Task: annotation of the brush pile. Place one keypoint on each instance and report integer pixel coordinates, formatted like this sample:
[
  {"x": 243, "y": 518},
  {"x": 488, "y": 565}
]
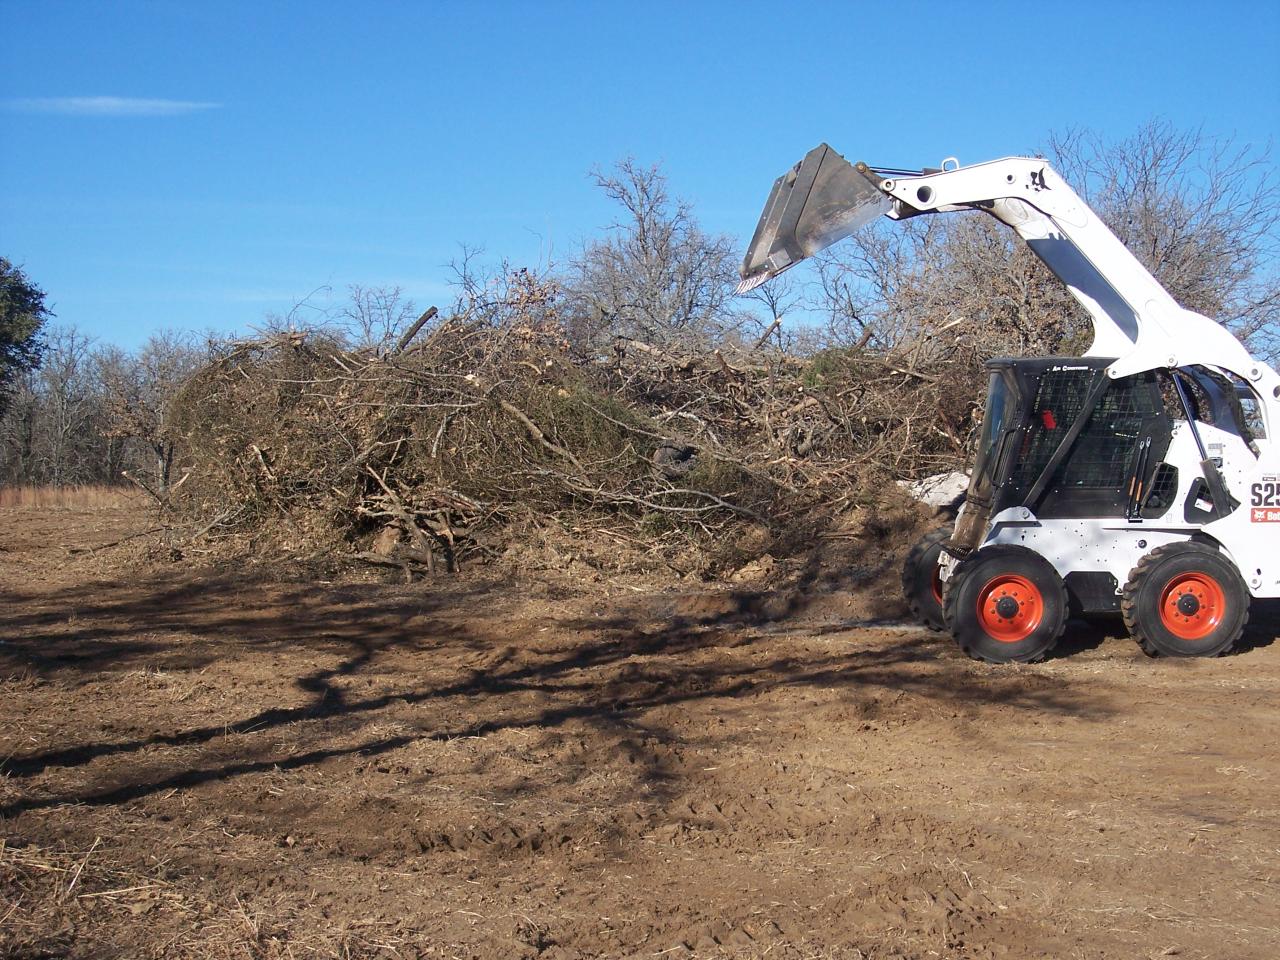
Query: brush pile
[{"x": 471, "y": 439}]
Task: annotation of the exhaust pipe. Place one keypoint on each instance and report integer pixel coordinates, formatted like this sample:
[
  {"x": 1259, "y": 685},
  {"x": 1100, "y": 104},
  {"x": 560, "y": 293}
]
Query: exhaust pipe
[{"x": 821, "y": 200}]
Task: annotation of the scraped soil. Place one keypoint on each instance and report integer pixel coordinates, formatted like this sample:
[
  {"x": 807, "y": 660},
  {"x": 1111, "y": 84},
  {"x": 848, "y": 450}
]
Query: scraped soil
[{"x": 206, "y": 763}]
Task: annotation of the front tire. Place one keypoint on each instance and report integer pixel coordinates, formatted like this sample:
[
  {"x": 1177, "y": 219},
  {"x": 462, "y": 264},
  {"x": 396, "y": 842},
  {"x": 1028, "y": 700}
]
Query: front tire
[
  {"x": 1006, "y": 604},
  {"x": 1185, "y": 600},
  {"x": 922, "y": 579}
]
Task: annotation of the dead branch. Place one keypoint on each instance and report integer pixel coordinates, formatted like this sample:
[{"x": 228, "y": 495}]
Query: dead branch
[
  {"x": 413, "y": 330},
  {"x": 538, "y": 435}
]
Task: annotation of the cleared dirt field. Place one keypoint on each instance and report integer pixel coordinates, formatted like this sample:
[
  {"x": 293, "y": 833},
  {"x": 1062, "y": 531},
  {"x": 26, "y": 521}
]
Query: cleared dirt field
[{"x": 214, "y": 765}]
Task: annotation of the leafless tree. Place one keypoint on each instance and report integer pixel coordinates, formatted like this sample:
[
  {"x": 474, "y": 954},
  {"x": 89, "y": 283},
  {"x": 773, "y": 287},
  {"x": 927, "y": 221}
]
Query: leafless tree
[
  {"x": 90, "y": 412},
  {"x": 137, "y": 390},
  {"x": 311, "y": 312},
  {"x": 504, "y": 297},
  {"x": 18, "y": 429},
  {"x": 1201, "y": 214},
  {"x": 375, "y": 316},
  {"x": 50, "y": 430},
  {"x": 777, "y": 299},
  {"x": 656, "y": 276}
]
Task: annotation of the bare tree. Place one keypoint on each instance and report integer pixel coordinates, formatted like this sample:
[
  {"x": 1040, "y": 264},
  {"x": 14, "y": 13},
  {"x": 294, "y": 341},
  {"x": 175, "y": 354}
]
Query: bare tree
[
  {"x": 656, "y": 276},
  {"x": 62, "y": 442},
  {"x": 91, "y": 412},
  {"x": 376, "y": 316},
  {"x": 949, "y": 285},
  {"x": 137, "y": 390},
  {"x": 1202, "y": 214},
  {"x": 1199, "y": 213},
  {"x": 779, "y": 298},
  {"x": 514, "y": 300},
  {"x": 311, "y": 312},
  {"x": 18, "y": 429}
]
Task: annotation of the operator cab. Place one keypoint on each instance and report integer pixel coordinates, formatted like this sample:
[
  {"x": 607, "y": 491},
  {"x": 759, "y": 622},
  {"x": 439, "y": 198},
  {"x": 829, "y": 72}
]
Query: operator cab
[{"x": 1065, "y": 441}]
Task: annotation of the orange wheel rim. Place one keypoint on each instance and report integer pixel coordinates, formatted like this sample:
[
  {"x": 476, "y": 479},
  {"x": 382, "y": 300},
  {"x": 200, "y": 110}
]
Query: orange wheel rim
[
  {"x": 936, "y": 584},
  {"x": 1192, "y": 605},
  {"x": 1010, "y": 608}
]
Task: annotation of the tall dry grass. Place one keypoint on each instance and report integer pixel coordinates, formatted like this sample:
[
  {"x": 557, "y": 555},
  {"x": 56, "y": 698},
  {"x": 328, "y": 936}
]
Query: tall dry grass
[{"x": 82, "y": 496}]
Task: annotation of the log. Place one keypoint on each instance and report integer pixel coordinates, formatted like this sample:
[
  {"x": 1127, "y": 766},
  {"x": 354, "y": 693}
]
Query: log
[{"x": 413, "y": 330}]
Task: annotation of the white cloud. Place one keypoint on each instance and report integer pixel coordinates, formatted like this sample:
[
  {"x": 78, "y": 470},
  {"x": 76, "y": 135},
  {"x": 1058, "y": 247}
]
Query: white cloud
[{"x": 109, "y": 106}]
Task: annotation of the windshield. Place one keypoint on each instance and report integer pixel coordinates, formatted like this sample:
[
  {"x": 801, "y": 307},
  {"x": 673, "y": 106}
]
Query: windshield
[{"x": 993, "y": 424}]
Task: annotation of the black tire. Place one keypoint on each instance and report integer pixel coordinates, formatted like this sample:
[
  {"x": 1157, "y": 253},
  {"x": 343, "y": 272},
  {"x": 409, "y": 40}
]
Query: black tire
[
  {"x": 1185, "y": 600},
  {"x": 921, "y": 584},
  {"x": 977, "y": 599}
]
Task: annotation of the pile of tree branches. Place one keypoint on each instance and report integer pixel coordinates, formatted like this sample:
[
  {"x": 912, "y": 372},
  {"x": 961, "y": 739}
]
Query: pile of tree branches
[{"x": 451, "y": 445}]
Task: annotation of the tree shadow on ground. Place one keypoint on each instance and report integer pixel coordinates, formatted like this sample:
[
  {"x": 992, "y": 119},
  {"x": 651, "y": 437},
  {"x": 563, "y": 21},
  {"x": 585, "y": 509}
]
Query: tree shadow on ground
[{"x": 456, "y": 652}]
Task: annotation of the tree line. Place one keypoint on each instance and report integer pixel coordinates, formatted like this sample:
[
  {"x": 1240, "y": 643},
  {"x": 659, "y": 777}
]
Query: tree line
[
  {"x": 1202, "y": 214},
  {"x": 92, "y": 413}
]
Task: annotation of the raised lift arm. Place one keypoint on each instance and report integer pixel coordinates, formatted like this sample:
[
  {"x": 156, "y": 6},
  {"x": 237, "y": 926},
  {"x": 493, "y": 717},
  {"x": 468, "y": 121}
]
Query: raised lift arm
[{"x": 824, "y": 199}]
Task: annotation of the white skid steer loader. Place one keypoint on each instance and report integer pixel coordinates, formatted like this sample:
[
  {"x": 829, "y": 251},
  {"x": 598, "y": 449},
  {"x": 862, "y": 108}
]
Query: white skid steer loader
[{"x": 1142, "y": 478}]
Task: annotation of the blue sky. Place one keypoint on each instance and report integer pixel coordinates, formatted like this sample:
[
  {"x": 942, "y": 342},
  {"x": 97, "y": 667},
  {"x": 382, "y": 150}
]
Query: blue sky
[{"x": 196, "y": 165}]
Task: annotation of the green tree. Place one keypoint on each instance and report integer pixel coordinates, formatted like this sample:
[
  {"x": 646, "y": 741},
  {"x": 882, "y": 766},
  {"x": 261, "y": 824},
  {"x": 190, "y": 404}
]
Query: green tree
[{"x": 22, "y": 314}]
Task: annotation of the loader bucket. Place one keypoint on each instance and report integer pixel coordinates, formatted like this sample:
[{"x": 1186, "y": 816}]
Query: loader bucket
[{"x": 822, "y": 199}]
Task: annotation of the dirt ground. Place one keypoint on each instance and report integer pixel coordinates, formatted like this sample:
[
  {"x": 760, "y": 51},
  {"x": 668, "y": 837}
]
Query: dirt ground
[{"x": 218, "y": 764}]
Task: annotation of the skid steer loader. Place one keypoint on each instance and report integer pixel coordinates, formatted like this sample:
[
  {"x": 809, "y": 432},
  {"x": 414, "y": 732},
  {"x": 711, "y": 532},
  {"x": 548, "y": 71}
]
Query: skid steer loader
[{"x": 1142, "y": 478}]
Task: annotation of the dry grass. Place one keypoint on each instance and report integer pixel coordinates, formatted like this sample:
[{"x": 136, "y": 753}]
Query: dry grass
[
  {"x": 57, "y": 901},
  {"x": 79, "y": 496}
]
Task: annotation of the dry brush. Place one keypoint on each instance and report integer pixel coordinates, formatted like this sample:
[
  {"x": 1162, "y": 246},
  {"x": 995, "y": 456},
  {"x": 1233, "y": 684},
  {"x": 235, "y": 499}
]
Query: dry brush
[{"x": 455, "y": 445}]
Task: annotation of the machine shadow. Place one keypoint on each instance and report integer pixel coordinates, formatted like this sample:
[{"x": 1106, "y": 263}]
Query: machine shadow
[
  {"x": 1263, "y": 627},
  {"x": 1090, "y": 633}
]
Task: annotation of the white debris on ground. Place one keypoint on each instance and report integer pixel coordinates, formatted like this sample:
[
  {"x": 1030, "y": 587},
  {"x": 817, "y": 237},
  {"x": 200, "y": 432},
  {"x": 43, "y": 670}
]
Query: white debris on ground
[{"x": 940, "y": 490}]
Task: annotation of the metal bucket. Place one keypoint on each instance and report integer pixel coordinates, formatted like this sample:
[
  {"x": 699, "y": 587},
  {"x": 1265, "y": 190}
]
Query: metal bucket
[{"x": 822, "y": 199}]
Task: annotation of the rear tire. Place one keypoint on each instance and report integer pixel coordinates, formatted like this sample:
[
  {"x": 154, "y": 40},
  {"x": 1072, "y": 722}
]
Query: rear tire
[
  {"x": 1185, "y": 600},
  {"x": 1006, "y": 604},
  {"x": 922, "y": 580}
]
